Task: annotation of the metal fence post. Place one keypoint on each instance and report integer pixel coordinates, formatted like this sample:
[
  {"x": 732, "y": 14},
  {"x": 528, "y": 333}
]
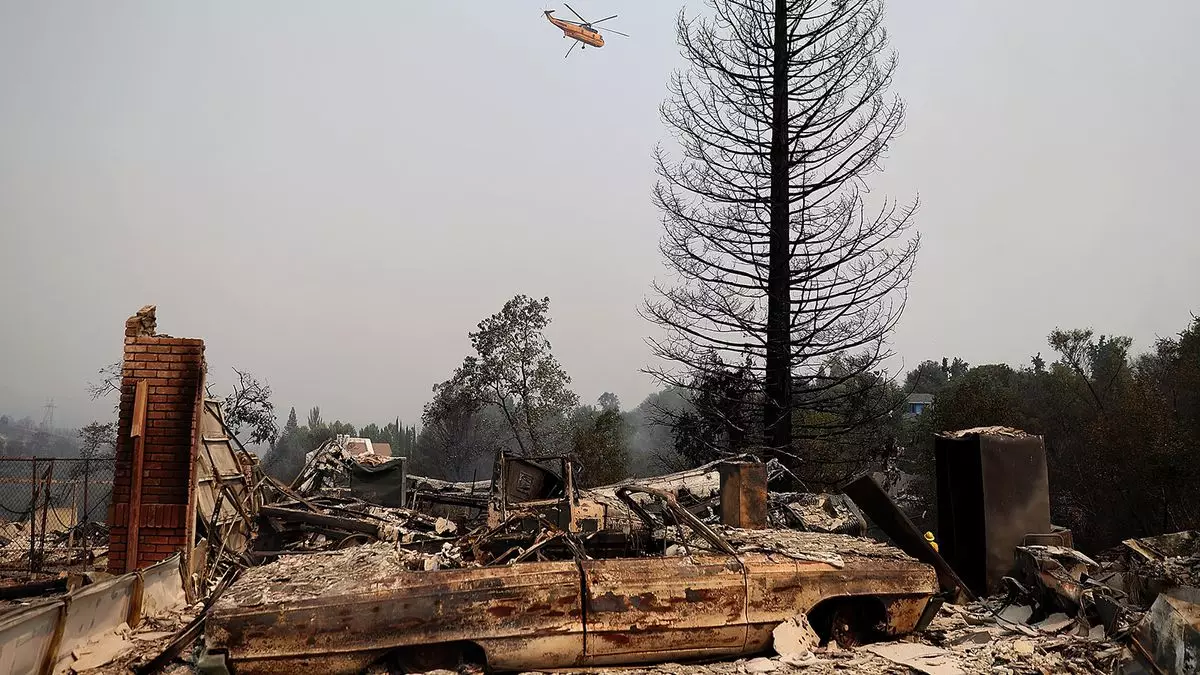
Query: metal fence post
[
  {"x": 404, "y": 482},
  {"x": 45, "y": 512},
  {"x": 31, "y": 486},
  {"x": 33, "y": 491},
  {"x": 86, "y": 507}
]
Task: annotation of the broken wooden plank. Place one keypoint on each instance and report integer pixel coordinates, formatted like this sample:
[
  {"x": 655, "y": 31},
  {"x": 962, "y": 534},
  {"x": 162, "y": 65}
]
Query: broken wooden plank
[{"x": 138, "y": 434}]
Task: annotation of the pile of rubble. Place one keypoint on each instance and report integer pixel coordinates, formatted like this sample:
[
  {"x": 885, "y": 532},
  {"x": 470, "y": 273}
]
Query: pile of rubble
[
  {"x": 58, "y": 547},
  {"x": 335, "y": 558}
]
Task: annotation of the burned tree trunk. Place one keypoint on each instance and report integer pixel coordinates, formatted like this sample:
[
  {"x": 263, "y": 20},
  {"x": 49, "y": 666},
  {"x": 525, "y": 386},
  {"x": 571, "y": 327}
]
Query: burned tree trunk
[{"x": 778, "y": 259}]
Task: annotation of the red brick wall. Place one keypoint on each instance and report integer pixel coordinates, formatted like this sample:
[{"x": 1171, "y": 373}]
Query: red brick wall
[{"x": 174, "y": 372}]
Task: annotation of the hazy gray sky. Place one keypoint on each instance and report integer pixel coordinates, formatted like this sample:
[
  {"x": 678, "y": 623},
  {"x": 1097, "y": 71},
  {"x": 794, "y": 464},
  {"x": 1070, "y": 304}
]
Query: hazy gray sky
[{"x": 332, "y": 194}]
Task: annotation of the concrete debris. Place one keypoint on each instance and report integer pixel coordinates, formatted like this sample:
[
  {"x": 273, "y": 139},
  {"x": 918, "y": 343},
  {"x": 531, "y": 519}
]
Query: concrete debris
[
  {"x": 800, "y": 660},
  {"x": 1008, "y": 648}
]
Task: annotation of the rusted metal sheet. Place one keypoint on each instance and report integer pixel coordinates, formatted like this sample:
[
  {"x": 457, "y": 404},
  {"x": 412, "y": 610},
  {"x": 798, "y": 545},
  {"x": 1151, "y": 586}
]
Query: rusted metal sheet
[
  {"x": 340, "y": 612},
  {"x": 874, "y": 502},
  {"x": 343, "y": 610},
  {"x": 96, "y": 610},
  {"x": 1169, "y": 634},
  {"x": 162, "y": 588},
  {"x": 744, "y": 495},
  {"x": 525, "y": 490},
  {"x": 992, "y": 491},
  {"x": 779, "y": 588},
  {"x": 225, "y": 499},
  {"x": 527, "y": 613},
  {"x": 41, "y": 639},
  {"x": 642, "y": 610}
]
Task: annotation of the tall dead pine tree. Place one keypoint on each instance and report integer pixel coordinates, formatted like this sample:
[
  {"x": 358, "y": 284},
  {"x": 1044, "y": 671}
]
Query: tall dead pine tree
[{"x": 776, "y": 256}]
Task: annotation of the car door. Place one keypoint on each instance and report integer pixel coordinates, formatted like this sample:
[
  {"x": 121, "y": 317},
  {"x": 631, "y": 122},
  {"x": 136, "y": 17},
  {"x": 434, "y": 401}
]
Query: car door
[{"x": 639, "y": 610}]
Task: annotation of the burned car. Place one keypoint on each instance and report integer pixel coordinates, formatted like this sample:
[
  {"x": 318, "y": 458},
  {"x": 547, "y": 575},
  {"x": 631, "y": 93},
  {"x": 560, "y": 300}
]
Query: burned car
[{"x": 707, "y": 592}]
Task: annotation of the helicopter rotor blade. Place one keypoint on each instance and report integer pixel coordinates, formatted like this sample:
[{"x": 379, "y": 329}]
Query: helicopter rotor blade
[
  {"x": 573, "y": 43},
  {"x": 609, "y": 30},
  {"x": 575, "y": 13},
  {"x": 604, "y": 19}
]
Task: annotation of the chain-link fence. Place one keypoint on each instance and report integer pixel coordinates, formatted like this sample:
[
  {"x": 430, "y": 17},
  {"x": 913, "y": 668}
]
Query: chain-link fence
[{"x": 53, "y": 513}]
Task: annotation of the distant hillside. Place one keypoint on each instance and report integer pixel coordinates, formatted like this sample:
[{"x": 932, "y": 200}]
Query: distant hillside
[{"x": 23, "y": 438}]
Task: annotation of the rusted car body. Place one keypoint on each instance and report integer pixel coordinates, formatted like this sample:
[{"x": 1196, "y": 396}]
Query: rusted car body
[
  {"x": 341, "y": 612},
  {"x": 557, "y": 613}
]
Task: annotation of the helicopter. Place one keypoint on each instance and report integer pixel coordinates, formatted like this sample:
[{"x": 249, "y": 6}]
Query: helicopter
[{"x": 582, "y": 31}]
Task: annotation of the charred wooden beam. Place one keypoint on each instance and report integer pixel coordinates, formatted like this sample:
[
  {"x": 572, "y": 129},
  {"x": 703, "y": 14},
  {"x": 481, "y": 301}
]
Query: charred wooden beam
[
  {"x": 26, "y": 589},
  {"x": 880, "y": 508},
  {"x": 320, "y": 519}
]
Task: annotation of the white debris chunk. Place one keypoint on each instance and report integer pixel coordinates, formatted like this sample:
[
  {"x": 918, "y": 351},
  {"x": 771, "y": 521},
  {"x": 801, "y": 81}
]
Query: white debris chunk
[
  {"x": 1055, "y": 623},
  {"x": 795, "y": 637},
  {"x": 1016, "y": 613},
  {"x": 974, "y": 639},
  {"x": 923, "y": 658},
  {"x": 761, "y": 665},
  {"x": 800, "y": 660}
]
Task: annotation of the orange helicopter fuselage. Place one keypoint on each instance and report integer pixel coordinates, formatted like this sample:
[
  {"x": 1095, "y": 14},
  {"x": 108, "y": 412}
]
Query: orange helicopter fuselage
[{"x": 588, "y": 36}]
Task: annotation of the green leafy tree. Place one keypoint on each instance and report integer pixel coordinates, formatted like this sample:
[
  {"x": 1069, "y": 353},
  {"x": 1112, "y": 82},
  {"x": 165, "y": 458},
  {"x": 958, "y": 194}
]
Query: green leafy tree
[
  {"x": 721, "y": 418},
  {"x": 609, "y": 401},
  {"x": 514, "y": 370},
  {"x": 1119, "y": 430},
  {"x": 373, "y": 432},
  {"x": 98, "y": 440},
  {"x": 929, "y": 377},
  {"x": 248, "y": 409},
  {"x": 286, "y": 458},
  {"x": 600, "y": 445},
  {"x": 454, "y": 434}
]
